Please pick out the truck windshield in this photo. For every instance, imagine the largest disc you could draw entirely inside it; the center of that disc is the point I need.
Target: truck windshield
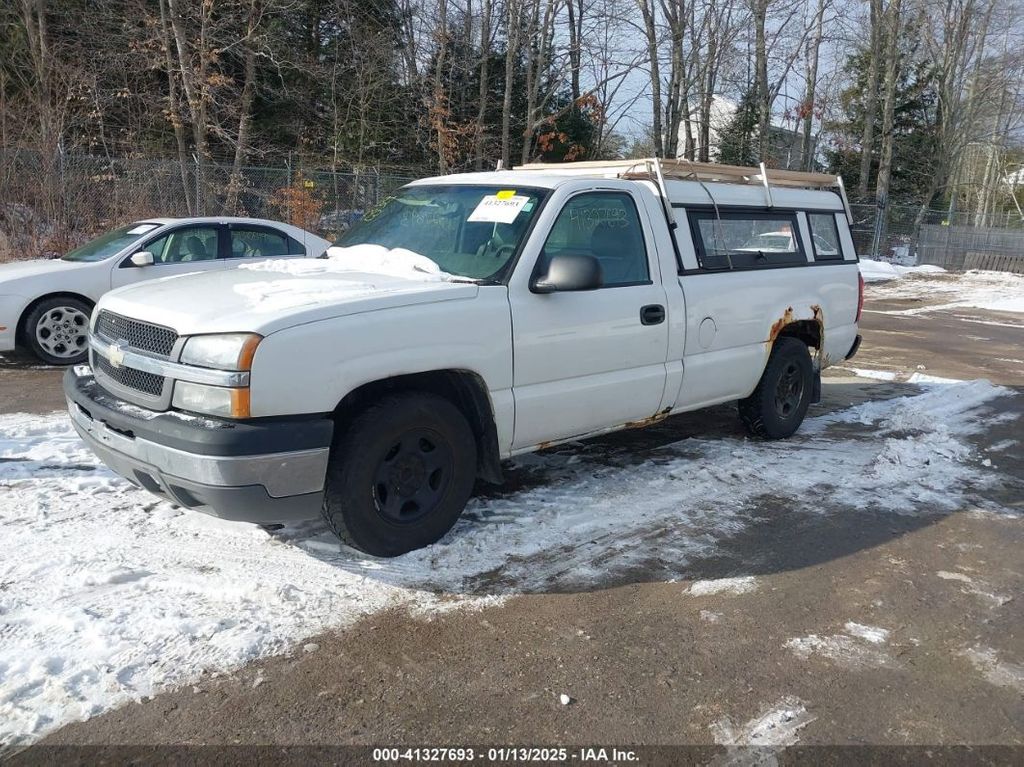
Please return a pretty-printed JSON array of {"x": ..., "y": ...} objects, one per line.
[
  {"x": 469, "y": 231},
  {"x": 110, "y": 243}
]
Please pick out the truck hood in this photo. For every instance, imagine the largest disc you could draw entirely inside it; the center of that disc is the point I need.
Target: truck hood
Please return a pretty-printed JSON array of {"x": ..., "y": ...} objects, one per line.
[{"x": 268, "y": 296}]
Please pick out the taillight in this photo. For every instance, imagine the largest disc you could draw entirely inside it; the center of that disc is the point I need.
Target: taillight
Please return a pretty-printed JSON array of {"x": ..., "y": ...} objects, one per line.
[{"x": 860, "y": 295}]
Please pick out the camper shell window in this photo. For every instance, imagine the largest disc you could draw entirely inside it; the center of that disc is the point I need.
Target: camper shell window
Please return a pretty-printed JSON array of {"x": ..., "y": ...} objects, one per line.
[
  {"x": 732, "y": 239},
  {"x": 825, "y": 237}
]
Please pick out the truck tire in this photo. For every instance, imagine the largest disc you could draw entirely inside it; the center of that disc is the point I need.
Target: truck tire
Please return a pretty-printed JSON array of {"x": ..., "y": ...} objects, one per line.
[
  {"x": 778, "y": 405},
  {"x": 56, "y": 331},
  {"x": 400, "y": 474}
]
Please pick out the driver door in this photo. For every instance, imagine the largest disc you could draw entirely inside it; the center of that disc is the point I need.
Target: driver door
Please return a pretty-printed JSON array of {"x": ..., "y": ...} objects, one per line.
[
  {"x": 591, "y": 360},
  {"x": 183, "y": 250}
]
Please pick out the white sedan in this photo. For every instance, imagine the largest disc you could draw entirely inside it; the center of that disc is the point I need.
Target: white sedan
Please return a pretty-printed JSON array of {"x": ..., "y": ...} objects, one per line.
[{"x": 45, "y": 304}]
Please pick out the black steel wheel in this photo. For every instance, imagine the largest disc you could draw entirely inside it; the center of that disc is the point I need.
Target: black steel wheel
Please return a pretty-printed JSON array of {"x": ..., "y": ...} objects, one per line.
[
  {"x": 778, "y": 404},
  {"x": 413, "y": 475},
  {"x": 789, "y": 391},
  {"x": 400, "y": 474}
]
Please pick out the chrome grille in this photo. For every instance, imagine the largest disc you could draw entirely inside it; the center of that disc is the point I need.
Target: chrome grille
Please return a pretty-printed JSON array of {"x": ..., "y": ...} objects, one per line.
[
  {"x": 143, "y": 336},
  {"x": 139, "y": 380}
]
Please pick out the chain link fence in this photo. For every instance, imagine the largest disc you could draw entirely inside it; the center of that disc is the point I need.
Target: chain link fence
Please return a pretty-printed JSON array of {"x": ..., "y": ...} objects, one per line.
[
  {"x": 910, "y": 235},
  {"x": 49, "y": 204}
]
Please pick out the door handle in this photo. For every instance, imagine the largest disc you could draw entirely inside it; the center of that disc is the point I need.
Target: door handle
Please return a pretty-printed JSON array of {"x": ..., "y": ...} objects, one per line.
[{"x": 652, "y": 314}]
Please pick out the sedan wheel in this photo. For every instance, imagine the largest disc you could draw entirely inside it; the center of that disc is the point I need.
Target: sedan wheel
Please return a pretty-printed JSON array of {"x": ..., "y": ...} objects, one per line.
[{"x": 57, "y": 331}]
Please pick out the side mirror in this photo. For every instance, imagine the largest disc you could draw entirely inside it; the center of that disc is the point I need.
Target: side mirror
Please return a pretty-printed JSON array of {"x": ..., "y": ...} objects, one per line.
[
  {"x": 142, "y": 258},
  {"x": 569, "y": 272}
]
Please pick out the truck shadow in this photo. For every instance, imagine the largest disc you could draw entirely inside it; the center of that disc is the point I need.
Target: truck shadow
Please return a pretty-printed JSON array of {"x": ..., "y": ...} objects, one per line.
[{"x": 693, "y": 498}]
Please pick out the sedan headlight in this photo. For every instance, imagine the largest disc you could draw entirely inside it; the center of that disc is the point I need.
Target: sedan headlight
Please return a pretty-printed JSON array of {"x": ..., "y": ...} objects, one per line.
[{"x": 222, "y": 351}]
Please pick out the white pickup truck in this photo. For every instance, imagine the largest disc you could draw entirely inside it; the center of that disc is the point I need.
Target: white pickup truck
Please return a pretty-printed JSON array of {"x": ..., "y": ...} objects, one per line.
[{"x": 467, "y": 319}]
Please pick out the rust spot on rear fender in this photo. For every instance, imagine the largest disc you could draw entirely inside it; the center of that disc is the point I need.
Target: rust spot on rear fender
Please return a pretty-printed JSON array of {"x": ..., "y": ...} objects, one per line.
[
  {"x": 819, "y": 318},
  {"x": 779, "y": 324},
  {"x": 788, "y": 317}
]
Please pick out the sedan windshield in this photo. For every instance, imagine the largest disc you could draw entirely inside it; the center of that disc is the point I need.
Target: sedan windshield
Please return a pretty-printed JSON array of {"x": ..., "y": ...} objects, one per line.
[
  {"x": 469, "y": 231},
  {"x": 110, "y": 243}
]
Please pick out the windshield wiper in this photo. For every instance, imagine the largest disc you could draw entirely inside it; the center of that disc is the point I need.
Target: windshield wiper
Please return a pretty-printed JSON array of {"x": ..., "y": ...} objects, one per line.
[{"x": 473, "y": 281}]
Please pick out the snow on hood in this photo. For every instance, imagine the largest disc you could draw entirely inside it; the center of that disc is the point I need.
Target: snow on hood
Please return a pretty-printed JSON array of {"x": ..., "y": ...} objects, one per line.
[
  {"x": 366, "y": 258},
  {"x": 266, "y": 296},
  {"x": 367, "y": 270}
]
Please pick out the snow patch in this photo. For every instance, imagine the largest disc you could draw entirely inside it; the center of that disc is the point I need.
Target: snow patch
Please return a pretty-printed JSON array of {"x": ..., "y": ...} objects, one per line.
[
  {"x": 881, "y": 271},
  {"x": 366, "y": 259},
  {"x": 742, "y": 585},
  {"x": 877, "y": 375},
  {"x": 871, "y": 634},
  {"x": 848, "y": 649},
  {"x": 975, "y": 588},
  {"x": 110, "y": 595},
  {"x": 346, "y": 274},
  {"x": 992, "y": 291},
  {"x": 841, "y": 648},
  {"x": 986, "y": 660},
  {"x": 104, "y": 601},
  {"x": 778, "y": 725}
]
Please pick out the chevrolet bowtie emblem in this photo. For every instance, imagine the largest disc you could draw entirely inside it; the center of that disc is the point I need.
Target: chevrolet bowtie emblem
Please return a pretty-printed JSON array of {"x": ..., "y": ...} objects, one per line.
[{"x": 115, "y": 354}]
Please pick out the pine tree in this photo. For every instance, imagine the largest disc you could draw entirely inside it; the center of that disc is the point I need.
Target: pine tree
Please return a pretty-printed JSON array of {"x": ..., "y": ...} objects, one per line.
[{"x": 737, "y": 144}]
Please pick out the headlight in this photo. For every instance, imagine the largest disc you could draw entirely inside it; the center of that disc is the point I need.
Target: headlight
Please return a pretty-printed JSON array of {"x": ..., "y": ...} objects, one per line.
[
  {"x": 212, "y": 400},
  {"x": 222, "y": 351}
]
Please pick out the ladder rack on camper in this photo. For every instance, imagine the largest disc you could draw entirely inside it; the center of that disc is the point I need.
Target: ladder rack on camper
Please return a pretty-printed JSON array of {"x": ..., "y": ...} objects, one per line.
[{"x": 657, "y": 170}]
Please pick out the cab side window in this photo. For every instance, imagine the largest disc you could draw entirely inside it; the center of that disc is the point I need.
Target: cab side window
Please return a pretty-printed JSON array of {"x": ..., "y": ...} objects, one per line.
[
  {"x": 193, "y": 243},
  {"x": 604, "y": 225},
  {"x": 253, "y": 242}
]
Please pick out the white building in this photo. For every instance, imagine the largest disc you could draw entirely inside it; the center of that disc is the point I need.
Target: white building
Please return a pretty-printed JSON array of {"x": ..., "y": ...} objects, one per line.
[{"x": 785, "y": 143}]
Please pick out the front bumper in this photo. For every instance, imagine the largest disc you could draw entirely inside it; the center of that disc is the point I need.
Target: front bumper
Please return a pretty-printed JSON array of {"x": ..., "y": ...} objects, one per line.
[{"x": 263, "y": 471}]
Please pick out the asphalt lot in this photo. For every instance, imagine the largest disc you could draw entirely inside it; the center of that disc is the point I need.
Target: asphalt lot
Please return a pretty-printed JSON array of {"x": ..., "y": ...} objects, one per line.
[{"x": 879, "y": 627}]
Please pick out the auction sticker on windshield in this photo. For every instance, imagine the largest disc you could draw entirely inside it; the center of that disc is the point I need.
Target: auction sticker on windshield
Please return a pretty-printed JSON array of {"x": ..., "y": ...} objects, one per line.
[{"x": 500, "y": 208}]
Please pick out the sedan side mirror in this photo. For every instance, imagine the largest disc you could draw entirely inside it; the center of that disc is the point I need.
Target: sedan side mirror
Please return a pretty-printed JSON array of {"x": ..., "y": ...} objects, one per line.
[
  {"x": 142, "y": 258},
  {"x": 569, "y": 272}
]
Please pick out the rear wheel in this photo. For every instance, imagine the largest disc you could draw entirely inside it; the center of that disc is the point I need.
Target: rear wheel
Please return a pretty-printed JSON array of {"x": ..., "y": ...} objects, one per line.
[
  {"x": 400, "y": 474},
  {"x": 57, "y": 330},
  {"x": 778, "y": 405}
]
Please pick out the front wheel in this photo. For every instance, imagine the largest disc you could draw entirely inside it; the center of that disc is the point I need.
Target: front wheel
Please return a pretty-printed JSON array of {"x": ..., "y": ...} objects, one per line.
[
  {"x": 400, "y": 474},
  {"x": 778, "y": 405},
  {"x": 57, "y": 331}
]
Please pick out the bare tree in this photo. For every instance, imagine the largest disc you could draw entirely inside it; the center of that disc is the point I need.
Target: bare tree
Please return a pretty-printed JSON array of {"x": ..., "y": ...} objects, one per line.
[
  {"x": 487, "y": 8},
  {"x": 890, "y": 64},
  {"x": 540, "y": 34},
  {"x": 514, "y": 30},
  {"x": 651, "y": 34},
  {"x": 867, "y": 140},
  {"x": 810, "y": 92}
]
